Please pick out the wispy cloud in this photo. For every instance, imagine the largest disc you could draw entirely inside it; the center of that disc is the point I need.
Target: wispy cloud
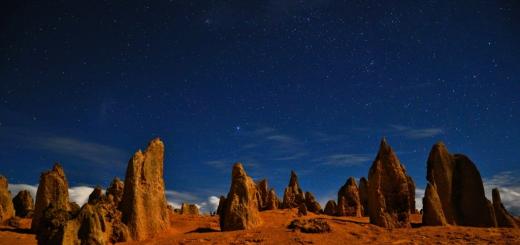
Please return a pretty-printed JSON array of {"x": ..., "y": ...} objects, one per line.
[
  {"x": 415, "y": 133},
  {"x": 90, "y": 151},
  {"x": 419, "y": 194},
  {"x": 69, "y": 146},
  {"x": 344, "y": 160}
]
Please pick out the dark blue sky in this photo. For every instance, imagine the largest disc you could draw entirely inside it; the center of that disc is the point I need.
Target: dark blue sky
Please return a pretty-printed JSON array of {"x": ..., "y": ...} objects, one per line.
[{"x": 280, "y": 85}]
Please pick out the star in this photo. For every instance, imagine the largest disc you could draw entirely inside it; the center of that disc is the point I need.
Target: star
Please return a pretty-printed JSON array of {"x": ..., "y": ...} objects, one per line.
[{"x": 237, "y": 128}]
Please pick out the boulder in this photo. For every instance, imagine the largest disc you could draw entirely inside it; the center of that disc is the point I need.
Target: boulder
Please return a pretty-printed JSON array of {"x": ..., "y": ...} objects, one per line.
[
  {"x": 330, "y": 208},
  {"x": 189, "y": 209},
  {"x": 311, "y": 203},
  {"x": 23, "y": 204},
  {"x": 293, "y": 194},
  {"x": 460, "y": 191},
  {"x": 504, "y": 218},
  {"x": 363, "y": 194},
  {"x": 310, "y": 225},
  {"x": 6, "y": 204},
  {"x": 349, "y": 203},
  {"x": 52, "y": 204},
  {"x": 143, "y": 203},
  {"x": 240, "y": 211},
  {"x": 388, "y": 190}
]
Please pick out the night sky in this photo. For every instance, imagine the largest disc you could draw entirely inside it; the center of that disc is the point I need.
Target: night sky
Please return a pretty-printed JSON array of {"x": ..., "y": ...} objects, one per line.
[{"x": 278, "y": 85}]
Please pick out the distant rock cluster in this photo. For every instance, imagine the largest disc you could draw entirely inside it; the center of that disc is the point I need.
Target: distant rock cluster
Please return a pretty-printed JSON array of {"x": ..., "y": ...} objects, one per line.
[{"x": 136, "y": 208}]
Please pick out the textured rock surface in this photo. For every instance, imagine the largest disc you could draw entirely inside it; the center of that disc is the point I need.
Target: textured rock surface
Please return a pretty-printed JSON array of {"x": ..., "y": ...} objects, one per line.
[
  {"x": 311, "y": 203},
  {"x": 240, "y": 211},
  {"x": 96, "y": 196},
  {"x": 293, "y": 194},
  {"x": 189, "y": 209},
  {"x": 349, "y": 203},
  {"x": 388, "y": 193},
  {"x": 52, "y": 196},
  {"x": 23, "y": 204},
  {"x": 6, "y": 204},
  {"x": 115, "y": 191},
  {"x": 363, "y": 194},
  {"x": 460, "y": 191},
  {"x": 310, "y": 225},
  {"x": 144, "y": 203},
  {"x": 504, "y": 218},
  {"x": 330, "y": 208}
]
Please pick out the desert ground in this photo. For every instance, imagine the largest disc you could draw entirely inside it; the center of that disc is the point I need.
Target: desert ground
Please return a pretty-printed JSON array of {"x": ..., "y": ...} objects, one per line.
[{"x": 205, "y": 229}]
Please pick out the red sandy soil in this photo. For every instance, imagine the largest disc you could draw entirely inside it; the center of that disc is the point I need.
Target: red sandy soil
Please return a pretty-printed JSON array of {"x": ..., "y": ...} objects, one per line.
[{"x": 345, "y": 230}]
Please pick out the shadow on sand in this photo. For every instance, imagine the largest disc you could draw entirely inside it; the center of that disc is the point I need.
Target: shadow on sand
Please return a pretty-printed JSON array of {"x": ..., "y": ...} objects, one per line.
[
  {"x": 202, "y": 230},
  {"x": 17, "y": 230}
]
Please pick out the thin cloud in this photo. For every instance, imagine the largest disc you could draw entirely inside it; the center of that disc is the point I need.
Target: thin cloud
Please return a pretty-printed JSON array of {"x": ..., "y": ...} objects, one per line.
[
  {"x": 283, "y": 139},
  {"x": 344, "y": 160},
  {"x": 416, "y": 133},
  {"x": 508, "y": 185}
]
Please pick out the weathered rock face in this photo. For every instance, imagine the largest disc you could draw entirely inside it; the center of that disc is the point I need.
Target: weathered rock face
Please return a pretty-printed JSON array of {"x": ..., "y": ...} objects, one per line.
[
  {"x": 349, "y": 203},
  {"x": 363, "y": 194},
  {"x": 189, "y": 209},
  {"x": 240, "y": 211},
  {"x": 115, "y": 191},
  {"x": 388, "y": 191},
  {"x": 23, "y": 204},
  {"x": 432, "y": 207},
  {"x": 52, "y": 199},
  {"x": 330, "y": 208},
  {"x": 293, "y": 194},
  {"x": 98, "y": 223},
  {"x": 6, "y": 204},
  {"x": 144, "y": 202},
  {"x": 504, "y": 218},
  {"x": 460, "y": 191},
  {"x": 311, "y": 203}
]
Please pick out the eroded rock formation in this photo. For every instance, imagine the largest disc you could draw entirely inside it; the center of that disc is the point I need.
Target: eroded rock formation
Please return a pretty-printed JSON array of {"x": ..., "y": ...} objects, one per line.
[
  {"x": 115, "y": 191},
  {"x": 267, "y": 198},
  {"x": 330, "y": 208},
  {"x": 363, "y": 194},
  {"x": 189, "y": 209},
  {"x": 311, "y": 203},
  {"x": 23, "y": 204},
  {"x": 143, "y": 203},
  {"x": 293, "y": 194},
  {"x": 457, "y": 183},
  {"x": 504, "y": 218},
  {"x": 221, "y": 206},
  {"x": 52, "y": 196},
  {"x": 240, "y": 211},
  {"x": 6, "y": 204},
  {"x": 349, "y": 203},
  {"x": 388, "y": 190}
]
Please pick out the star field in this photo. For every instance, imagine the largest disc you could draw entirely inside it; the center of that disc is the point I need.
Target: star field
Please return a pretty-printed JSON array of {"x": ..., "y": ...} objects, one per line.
[{"x": 305, "y": 85}]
